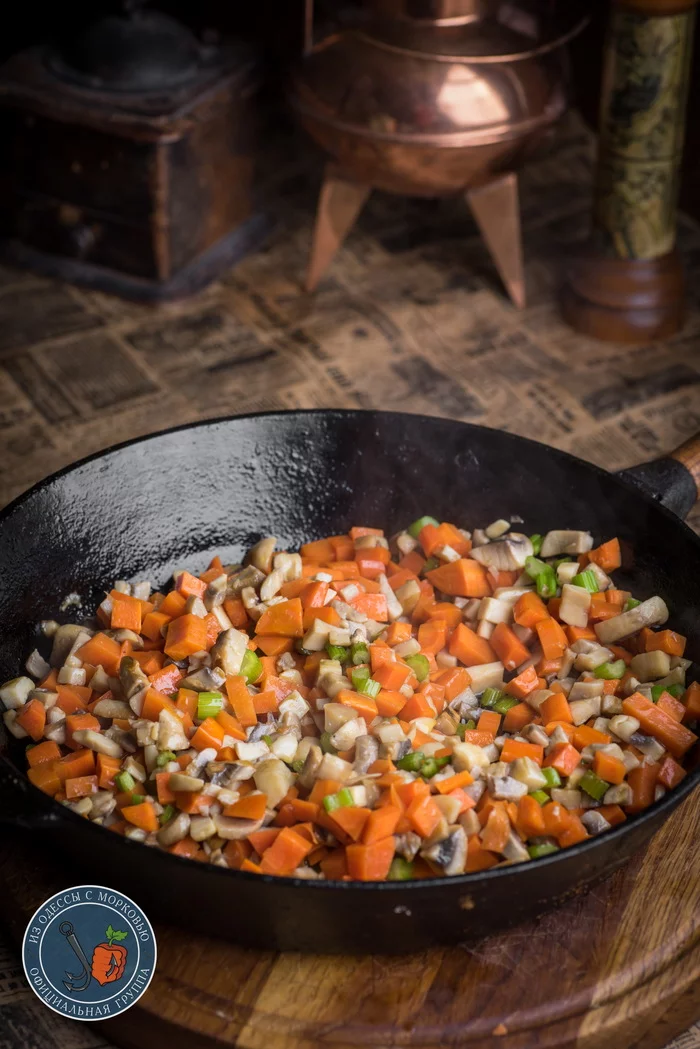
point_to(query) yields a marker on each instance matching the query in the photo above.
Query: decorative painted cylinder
(628, 286)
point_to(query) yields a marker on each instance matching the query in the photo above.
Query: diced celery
(359, 653)
(546, 849)
(593, 785)
(326, 745)
(339, 652)
(417, 527)
(370, 688)
(400, 870)
(164, 757)
(587, 580)
(124, 781)
(540, 797)
(209, 704)
(536, 541)
(411, 762)
(251, 667)
(419, 665)
(552, 777)
(611, 671)
(167, 814)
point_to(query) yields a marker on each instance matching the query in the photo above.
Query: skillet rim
(52, 811)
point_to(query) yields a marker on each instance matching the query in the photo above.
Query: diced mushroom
(487, 675)
(653, 612)
(650, 666)
(594, 822)
(393, 603)
(408, 844)
(366, 753)
(63, 641)
(10, 720)
(131, 677)
(407, 595)
(260, 555)
(206, 679)
(271, 585)
(466, 756)
(493, 610)
(14, 693)
(620, 794)
(529, 773)
(273, 778)
(171, 734)
(181, 781)
(113, 708)
(228, 651)
(174, 830)
(575, 603)
(312, 763)
(450, 854)
(497, 528)
(504, 555)
(506, 788)
(515, 851)
(36, 665)
(566, 542)
(241, 580)
(98, 742)
(344, 737)
(583, 709)
(202, 827)
(233, 829)
(121, 635)
(289, 565)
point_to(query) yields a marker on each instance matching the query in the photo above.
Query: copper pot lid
(510, 31)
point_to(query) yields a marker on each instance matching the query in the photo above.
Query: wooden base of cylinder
(625, 300)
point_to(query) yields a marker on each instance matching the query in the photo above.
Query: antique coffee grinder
(432, 98)
(128, 157)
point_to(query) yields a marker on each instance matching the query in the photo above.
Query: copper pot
(433, 97)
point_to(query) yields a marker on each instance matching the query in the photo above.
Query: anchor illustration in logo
(108, 959)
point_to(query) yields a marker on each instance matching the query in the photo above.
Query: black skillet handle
(19, 804)
(674, 481)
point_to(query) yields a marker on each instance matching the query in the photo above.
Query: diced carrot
(454, 680)
(261, 840)
(691, 702)
(609, 768)
(518, 717)
(529, 610)
(252, 807)
(522, 685)
(74, 722)
(545, 667)
(370, 862)
(397, 633)
(554, 607)
(671, 706)
(447, 612)
(612, 813)
(372, 605)
(186, 635)
(101, 651)
(164, 793)
(392, 675)
(343, 546)
(564, 758)
(556, 819)
(208, 734)
(230, 725)
(460, 779)
(574, 833)
(469, 648)
(154, 702)
(379, 654)
(607, 556)
(670, 773)
(32, 718)
(479, 858)
(46, 751)
(192, 802)
(274, 646)
(432, 635)
(350, 820)
(552, 638)
(126, 612)
(568, 729)
(530, 821)
(462, 578)
(494, 836)
(585, 736)
(314, 594)
(480, 739)
(666, 641)
(150, 661)
(514, 748)
(189, 586)
(556, 708)
(657, 723)
(214, 628)
(166, 679)
(509, 649)
(107, 768)
(423, 815)
(236, 853)
(418, 706)
(173, 604)
(372, 562)
(432, 537)
(364, 706)
(390, 703)
(322, 788)
(142, 816)
(80, 786)
(283, 620)
(187, 701)
(334, 866)
(46, 777)
(642, 780)
(434, 692)
(580, 633)
(489, 721)
(412, 562)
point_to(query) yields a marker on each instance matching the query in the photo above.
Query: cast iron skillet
(148, 506)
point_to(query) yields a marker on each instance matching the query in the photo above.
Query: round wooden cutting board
(617, 967)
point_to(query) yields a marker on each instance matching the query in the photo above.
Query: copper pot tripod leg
(496, 211)
(339, 203)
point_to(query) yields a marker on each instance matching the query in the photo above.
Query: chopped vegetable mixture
(366, 709)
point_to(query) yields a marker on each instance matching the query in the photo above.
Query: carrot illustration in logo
(109, 959)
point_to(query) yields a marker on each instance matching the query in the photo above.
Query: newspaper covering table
(410, 317)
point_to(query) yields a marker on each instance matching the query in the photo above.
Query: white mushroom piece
(450, 854)
(505, 555)
(561, 541)
(652, 612)
(260, 556)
